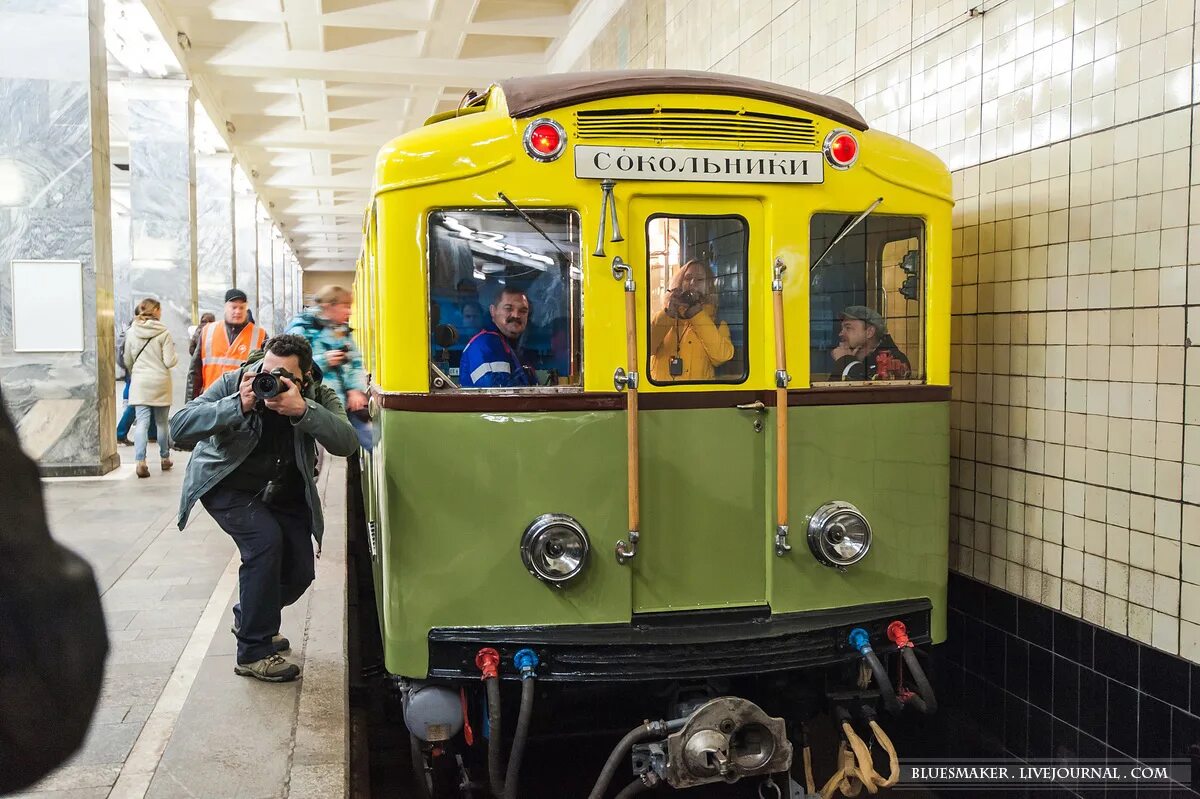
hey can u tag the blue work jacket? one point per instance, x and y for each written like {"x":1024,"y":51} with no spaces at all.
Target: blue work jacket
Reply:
{"x":489,"y":361}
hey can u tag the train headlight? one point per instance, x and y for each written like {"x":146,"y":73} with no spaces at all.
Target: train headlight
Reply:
{"x":555,"y":548}
{"x":838,"y":534}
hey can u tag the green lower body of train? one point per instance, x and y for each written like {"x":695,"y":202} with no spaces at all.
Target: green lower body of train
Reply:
{"x":449,"y":495}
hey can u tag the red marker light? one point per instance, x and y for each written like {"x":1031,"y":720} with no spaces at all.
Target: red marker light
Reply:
{"x":841,"y":149}
{"x":545,"y":139}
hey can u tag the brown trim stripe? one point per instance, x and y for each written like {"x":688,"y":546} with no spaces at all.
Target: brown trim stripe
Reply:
{"x":471,"y":402}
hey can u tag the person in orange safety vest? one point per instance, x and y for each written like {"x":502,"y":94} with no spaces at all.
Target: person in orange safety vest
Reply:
{"x":224,"y":347}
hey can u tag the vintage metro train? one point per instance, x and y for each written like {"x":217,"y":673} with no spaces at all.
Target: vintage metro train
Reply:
{"x":660,"y":386}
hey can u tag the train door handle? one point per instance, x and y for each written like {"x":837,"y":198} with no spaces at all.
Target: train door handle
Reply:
{"x":757,"y":407}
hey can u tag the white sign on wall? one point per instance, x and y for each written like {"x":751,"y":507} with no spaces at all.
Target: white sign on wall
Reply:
{"x":47,"y":306}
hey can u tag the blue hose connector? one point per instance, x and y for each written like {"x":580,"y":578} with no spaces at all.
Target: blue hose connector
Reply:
{"x":526,"y":660}
{"x":860,"y":639}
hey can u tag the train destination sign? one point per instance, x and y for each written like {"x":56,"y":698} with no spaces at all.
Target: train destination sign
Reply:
{"x":721,"y":166}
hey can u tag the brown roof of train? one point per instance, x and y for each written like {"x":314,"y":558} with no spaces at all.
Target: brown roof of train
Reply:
{"x":539,"y":93}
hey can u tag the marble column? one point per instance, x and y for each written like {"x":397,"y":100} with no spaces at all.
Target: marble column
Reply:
{"x":162,"y":193}
{"x":55,"y":206}
{"x":298,"y":282}
{"x":279,"y":250}
{"x":215,"y":230}
{"x":264,"y":308}
{"x":245,"y":243}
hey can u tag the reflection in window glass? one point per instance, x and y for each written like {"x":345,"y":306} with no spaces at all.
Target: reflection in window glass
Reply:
{"x":504,"y":298}
{"x":697,"y":299}
{"x":866,"y":299}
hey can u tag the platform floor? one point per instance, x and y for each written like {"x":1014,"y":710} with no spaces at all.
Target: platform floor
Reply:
{"x":173,"y":719}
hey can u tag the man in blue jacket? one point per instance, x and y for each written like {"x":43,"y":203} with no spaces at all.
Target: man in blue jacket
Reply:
{"x":493,"y":358}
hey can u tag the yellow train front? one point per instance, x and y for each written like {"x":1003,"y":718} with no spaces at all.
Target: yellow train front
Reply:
{"x":660,"y":367}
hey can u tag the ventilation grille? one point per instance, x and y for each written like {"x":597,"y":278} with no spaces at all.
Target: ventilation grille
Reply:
{"x":694,"y":124}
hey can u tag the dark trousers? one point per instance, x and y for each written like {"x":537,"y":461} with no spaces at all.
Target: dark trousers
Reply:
{"x":277,"y":562}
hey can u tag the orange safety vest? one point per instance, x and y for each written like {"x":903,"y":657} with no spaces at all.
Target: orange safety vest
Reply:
{"x":218,"y":355}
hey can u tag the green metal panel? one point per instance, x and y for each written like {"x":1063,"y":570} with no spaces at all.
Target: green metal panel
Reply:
{"x":893,"y":462}
{"x":703,"y":510}
{"x":459,"y":489}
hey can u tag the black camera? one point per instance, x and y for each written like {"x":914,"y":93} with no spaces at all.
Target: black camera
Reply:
{"x":268,"y":384}
{"x":688,"y":298}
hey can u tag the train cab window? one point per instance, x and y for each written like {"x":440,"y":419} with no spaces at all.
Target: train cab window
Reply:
{"x":867,"y":299}
{"x":504,"y":293}
{"x":697,"y":296}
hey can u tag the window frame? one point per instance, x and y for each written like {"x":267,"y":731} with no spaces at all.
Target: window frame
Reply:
{"x":745,"y":300}
{"x":922,"y":244}
{"x":455,"y":388}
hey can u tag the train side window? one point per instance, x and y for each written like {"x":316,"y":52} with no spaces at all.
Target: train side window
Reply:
{"x":867,"y":308}
{"x":697,"y":299}
{"x":504,"y":298}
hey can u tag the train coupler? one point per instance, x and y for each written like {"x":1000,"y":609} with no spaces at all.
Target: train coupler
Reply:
{"x":726,"y":739}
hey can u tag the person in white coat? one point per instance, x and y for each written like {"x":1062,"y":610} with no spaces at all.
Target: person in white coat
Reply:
{"x":149,"y":357}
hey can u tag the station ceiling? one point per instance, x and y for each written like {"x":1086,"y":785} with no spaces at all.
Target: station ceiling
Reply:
{"x":308,"y":90}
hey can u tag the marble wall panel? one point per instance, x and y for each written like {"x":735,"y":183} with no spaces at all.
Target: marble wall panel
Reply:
{"x":162,"y":192}
{"x":215,"y":231}
{"x":246,"y":245}
{"x":264,"y":311}
{"x":53,"y":174}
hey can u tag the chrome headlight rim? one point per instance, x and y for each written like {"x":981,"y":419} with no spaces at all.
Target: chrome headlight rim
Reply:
{"x":818,"y":528}
{"x":530,"y":541}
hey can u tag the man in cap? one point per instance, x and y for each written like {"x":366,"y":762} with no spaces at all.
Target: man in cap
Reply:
{"x":224,"y":347}
{"x":865,"y":350}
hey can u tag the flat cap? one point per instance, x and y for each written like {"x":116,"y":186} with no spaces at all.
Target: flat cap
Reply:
{"x":235,"y":294}
{"x":864,"y":314}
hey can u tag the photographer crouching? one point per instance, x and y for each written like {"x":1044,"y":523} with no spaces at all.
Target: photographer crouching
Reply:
{"x":255,"y":432}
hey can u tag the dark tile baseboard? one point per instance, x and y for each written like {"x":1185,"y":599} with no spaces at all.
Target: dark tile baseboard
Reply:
{"x":1017,"y":679}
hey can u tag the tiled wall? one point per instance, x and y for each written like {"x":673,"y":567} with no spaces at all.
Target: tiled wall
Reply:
{"x":1069,"y":127}
{"x":1045,"y":685}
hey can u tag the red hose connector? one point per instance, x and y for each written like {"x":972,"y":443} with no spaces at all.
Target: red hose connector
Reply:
{"x":897,"y":633}
{"x":488,"y":661}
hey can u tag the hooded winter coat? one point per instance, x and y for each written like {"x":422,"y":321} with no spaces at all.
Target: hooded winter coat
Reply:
{"x":149,"y":358}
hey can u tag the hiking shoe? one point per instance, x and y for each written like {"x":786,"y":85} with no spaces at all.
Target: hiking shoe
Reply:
{"x":142,"y":469}
{"x":166,"y":464}
{"x":272,"y":668}
{"x":281,"y":644}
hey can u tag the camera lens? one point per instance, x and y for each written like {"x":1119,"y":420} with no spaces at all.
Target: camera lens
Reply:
{"x":266,"y":385}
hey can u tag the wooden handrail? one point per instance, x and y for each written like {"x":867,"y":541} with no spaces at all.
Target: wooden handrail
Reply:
{"x":627,"y":550}
{"x":782,"y":378}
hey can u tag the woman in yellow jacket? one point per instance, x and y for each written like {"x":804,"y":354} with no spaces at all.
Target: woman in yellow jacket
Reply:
{"x":686,"y":341}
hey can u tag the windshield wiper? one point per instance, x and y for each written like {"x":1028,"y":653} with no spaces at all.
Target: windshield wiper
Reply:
{"x":534,"y":225}
{"x":846,"y":228}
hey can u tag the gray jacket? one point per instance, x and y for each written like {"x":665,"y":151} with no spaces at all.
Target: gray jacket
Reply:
{"x":223,"y":437}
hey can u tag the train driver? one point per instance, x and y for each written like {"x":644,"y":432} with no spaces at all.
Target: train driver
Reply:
{"x":494,"y":358}
{"x":865,"y":349}
{"x":686,"y":341}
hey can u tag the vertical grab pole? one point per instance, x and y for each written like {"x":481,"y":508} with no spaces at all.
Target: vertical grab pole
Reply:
{"x":627,"y":550}
{"x":782,"y":378}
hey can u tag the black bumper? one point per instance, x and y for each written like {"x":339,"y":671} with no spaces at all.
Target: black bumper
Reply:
{"x":679,"y":645}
